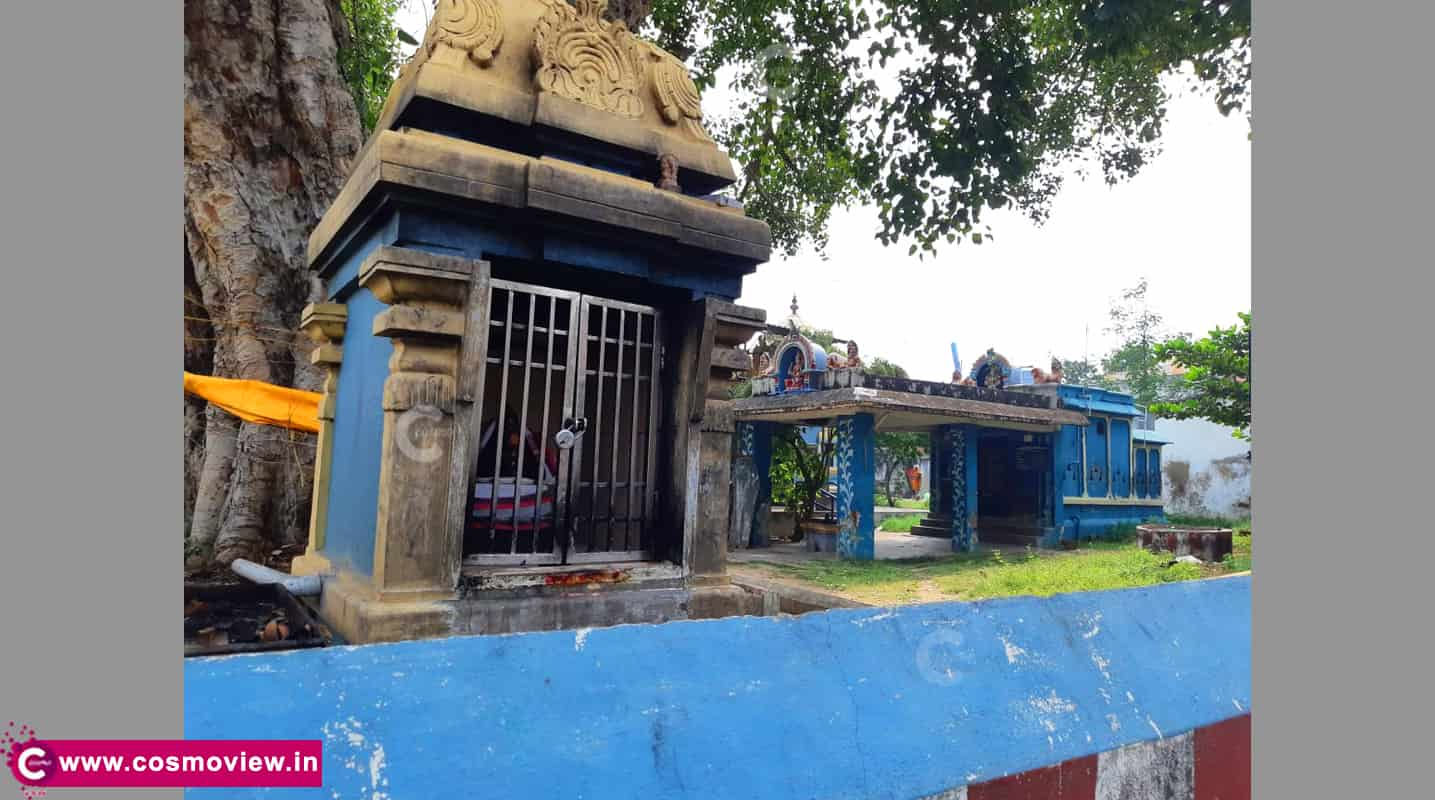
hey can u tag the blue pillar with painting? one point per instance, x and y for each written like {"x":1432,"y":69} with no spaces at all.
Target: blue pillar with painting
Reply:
{"x":960,"y":460}
{"x":856,"y":483}
{"x":755,"y":442}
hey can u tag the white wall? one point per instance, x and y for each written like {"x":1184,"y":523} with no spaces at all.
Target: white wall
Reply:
{"x":1216,"y":478}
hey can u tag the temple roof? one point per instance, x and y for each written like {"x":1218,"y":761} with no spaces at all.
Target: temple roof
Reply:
{"x":896,"y":410}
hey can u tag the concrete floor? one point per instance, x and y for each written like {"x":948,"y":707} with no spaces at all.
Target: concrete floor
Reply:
{"x":890,"y":546}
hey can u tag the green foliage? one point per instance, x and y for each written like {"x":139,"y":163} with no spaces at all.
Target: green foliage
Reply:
{"x":1217,"y":384}
{"x":1139,"y":369}
{"x":881,"y":366}
{"x":369,"y":57}
{"x":1097,"y":565}
{"x":895,"y":451}
{"x":1239,"y":559}
{"x":903,"y":524}
{"x":798,"y":472}
{"x":1080,"y":373}
{"x":1240,"y":526}
{"x":936,"y":111}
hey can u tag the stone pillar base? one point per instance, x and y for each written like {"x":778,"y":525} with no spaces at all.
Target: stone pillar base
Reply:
{"x":311,"y":564}
{"x":360,"y":617}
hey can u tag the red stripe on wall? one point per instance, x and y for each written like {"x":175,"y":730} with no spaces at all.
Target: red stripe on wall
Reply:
{"x":1069,"y":780}
{"x":1223,"y":760}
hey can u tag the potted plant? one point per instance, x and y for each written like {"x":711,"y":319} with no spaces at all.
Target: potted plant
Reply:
{"x":799,"y":477}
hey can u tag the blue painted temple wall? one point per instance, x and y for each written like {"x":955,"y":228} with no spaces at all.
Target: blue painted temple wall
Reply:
{"x":358,"y":416}
{"x":358,"y":438}
{"x":1104,"y":479}
{"x":481,"y":236}
{"x":358,"y":424}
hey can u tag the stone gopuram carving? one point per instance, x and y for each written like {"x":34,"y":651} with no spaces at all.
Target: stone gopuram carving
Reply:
{"x":673,"y":88}
{"x":668,"y":173}
{"x":563,"y":66}
{"x":583,"y":57}
{"x":472,"y":25}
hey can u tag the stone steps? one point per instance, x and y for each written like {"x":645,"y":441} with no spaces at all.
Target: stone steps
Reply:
{"x":1008,"y":536}
{"x":940,"y":527}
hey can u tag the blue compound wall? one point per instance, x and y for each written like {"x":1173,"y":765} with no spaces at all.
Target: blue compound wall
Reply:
{"x":871,"y":703}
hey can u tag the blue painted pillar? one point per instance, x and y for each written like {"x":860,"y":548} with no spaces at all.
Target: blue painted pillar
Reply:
{"x":755,"y":441}
{"x":937,"y":499}
{"x":856,"y":481}
{"x":961,"y":461}
{"x":759,"y":449}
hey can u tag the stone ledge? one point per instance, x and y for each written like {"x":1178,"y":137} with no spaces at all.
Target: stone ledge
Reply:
{"x":456,"y":168}
{"x":915,"y":409}
{"x":324,"y":322}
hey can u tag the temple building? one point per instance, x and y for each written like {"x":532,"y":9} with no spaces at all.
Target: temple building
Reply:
{"x":1037,"y":463}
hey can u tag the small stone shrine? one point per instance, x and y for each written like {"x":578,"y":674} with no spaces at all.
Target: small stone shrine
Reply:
{"x":529,"y":337}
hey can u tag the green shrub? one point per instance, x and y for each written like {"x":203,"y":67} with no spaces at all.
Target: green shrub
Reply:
{"x":902,"y":524}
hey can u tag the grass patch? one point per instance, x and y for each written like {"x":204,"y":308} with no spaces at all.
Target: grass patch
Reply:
{"x":1240,"y":558}
{"x":1240,"y":526}
{"x":909,"y":502}
{"x":1096,"y":565}
{"x":902,"y":524}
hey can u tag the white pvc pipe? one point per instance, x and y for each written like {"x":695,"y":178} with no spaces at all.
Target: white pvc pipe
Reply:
{"x":298,"y":585}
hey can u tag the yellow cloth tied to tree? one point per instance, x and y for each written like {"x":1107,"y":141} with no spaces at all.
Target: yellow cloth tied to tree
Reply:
{"x":257,"y":401}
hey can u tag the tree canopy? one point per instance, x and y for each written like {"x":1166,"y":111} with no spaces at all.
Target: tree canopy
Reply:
{"x":1217,"y":384}
{"x":369,"y":53}
{"x":936,"y":111}
{"x":933,"y":111}
{"x":1134,"y":366}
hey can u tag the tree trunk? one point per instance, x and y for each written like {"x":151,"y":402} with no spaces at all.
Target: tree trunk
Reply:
{"x":630,"y":12}
{"x":270,"y":132}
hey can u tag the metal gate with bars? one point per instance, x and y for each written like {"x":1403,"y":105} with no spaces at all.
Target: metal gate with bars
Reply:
{"x":568,"y":425}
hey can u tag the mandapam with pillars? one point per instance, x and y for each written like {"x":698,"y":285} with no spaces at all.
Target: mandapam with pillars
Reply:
{"x":1036,"y":462}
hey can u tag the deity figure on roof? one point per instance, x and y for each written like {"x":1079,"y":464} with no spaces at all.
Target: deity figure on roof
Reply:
{"x":854,"y":359}
{"x":794,"y":374}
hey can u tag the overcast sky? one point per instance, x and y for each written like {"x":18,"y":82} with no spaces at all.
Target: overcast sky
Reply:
{"x":1184,"y":223}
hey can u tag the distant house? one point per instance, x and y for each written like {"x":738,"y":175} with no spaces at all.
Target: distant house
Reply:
{"x":1207,"y":468}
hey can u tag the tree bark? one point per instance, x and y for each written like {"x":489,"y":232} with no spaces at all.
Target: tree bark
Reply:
{"x":270,"y":132}
{"x":630,"y":12}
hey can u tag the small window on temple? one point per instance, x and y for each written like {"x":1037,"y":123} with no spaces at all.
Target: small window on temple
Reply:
{"x":1101,"y":427}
